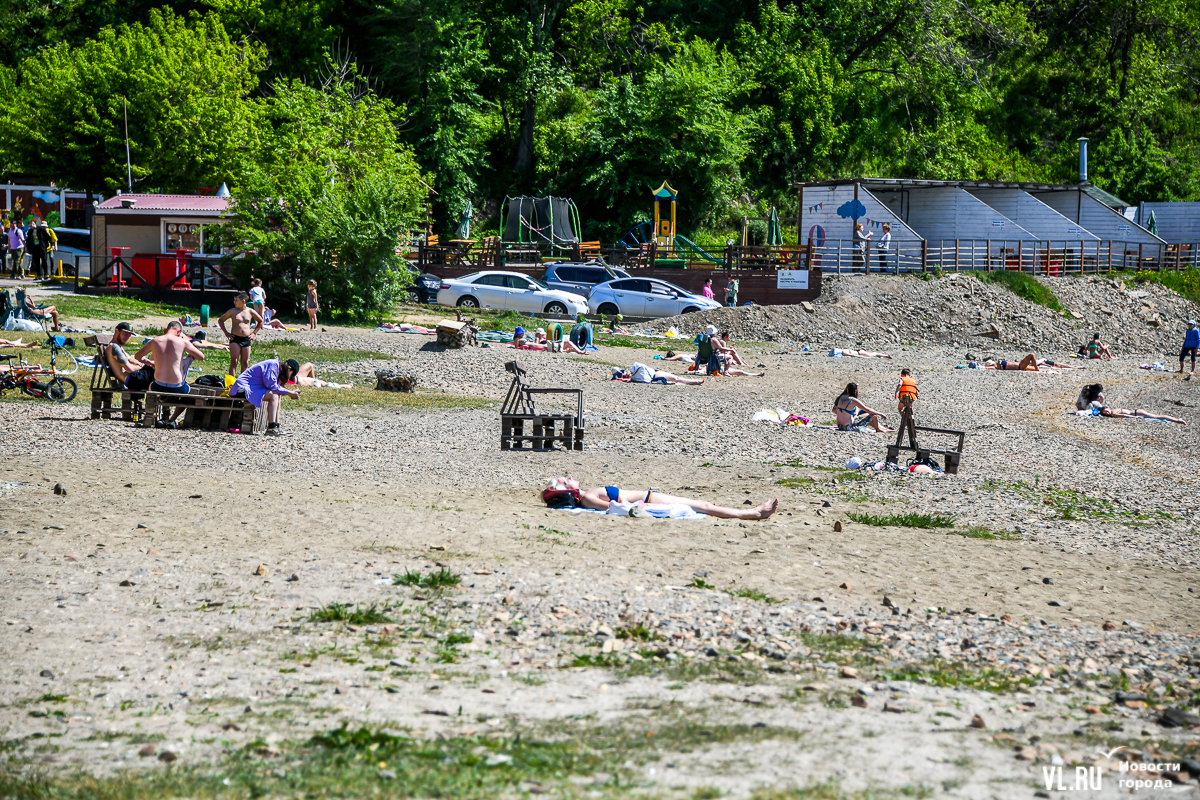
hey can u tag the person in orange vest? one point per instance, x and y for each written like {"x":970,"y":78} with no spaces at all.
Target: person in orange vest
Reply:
{"x":906,"y":390}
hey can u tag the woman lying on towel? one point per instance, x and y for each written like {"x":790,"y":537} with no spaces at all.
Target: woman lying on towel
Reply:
{"x":17,"y":343}
{"x":566,"y":492}
{"x":1027,"y":364}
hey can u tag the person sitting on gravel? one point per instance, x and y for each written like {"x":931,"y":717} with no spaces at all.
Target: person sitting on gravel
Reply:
{"x":681,"y":357}
{"x":852,"y":415}
{"x":618,"y":324}
{"x":306,"y":376}
{"x":1090,"y":396}
{"x":520,"y":343}
{"x":539,"y":338}
{"x":1098,"y":349}
{"x":725,"y":350}
{"x":838,"y":352}
{"x":266,"y":382}
{"x":640,"y":373}
{"x":565,"y":492}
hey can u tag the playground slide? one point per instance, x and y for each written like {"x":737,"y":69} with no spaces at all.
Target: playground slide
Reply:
{"x":687,"y":246}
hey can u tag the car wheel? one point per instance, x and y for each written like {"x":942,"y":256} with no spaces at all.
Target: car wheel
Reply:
{"x":556,"y":308}
{"x":608,"y":310}
{"x":468,"y":301}
{"x":690,"y":310}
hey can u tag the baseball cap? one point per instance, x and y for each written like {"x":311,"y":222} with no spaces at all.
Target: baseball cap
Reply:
{"x":124,"y":326}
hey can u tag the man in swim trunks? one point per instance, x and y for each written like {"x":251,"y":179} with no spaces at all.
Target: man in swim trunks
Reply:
{"x":170,"y":350}
{"x":640,"y":373}
{"x":244,"y":325}
{"x":602,"y":496}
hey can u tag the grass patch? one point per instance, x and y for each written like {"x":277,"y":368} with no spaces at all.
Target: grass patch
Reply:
{"x":723,"y":669}
{"x":108,"y":307}
{"x":924,"y":521}
{"x":600,"y":660}
{"x":442,"y":579}
{"x":984,"y":532}
{"x":1022,"y":285}
{"x":949,"y":674}
{"x":364,"y":395}
{"x":850,"y":475}
{"x":284,"y":349}
{"x":351,"y":614}
{"x":795,"y":483}
{"x":700,"y":583}
{"x":1070,"y":504}
{"x":753,"y":594}
{"x":1184,"y":282}
{"x":639,"y":632}
{"x":617,"y":340}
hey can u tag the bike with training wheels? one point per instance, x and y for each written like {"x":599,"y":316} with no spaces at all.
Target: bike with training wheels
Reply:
{"x":47,"y":383}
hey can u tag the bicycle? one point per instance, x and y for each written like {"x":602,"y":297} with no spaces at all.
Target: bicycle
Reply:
{"x":57,"y":388}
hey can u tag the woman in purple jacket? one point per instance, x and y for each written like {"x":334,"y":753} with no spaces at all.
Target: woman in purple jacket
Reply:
{"x":267,"y":381}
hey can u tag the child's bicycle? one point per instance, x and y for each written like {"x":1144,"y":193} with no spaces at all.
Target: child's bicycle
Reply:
{"x":49,"y":383}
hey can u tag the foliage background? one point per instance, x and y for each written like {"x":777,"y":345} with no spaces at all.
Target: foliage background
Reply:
{"x":602,"y":100}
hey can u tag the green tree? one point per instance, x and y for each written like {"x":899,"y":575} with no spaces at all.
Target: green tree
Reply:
{"x":329,"y":195}
{"x":187,"y":88}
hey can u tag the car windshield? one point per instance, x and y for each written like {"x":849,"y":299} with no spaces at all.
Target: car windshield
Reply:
{"x":671,"y":286}
{"x":538,"y":281}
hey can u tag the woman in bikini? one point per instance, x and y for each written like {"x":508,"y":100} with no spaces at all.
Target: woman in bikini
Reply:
{"x":1125,"y":413}
{"x":848,"y":407}
{"x":566,"y":491}
{"x":1028,"y":364}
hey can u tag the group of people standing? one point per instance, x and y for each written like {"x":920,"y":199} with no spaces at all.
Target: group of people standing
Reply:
{"x":33,"y":237}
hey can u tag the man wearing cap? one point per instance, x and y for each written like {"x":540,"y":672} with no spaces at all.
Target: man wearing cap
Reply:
{"x":1191,"y":345}
{"x":137,"y":375}
{"x":266,"y":382}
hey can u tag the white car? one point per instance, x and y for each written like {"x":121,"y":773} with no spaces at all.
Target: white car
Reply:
{"x":645,"y":297}
{"x":509,"y":290}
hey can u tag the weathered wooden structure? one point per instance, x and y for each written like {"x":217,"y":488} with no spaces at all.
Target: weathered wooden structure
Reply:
{"x":545,"y":428}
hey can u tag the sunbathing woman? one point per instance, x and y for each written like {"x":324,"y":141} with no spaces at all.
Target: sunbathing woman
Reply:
{"x":17,"y":343}
{"x":857,"y":353}
{"x":640,"y":373}
{"x":539,"y":338}
{"x":1028,"y":364}
{"x":307,"y":376}
{"x":682,"y":357}
{"x":848,"y":407}
{"x":565,"y":491}
{"x":1123,"y":413}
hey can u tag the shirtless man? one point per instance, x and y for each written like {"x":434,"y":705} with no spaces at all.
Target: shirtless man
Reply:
{"x":135,"y":373}
{"x":244,"y":325}
{"x":600,"y":498}
{"x":169,"y":350}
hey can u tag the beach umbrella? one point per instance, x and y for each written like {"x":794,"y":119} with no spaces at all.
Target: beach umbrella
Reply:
{"x":1152,"y":224}
{"x":464,"y":227}
{"x":774,"y":233}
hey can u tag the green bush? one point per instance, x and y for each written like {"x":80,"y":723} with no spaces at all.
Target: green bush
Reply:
{"x":1022,"y":285}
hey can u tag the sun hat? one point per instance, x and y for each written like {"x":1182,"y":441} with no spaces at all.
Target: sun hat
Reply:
{"x":711,"y":330}
{"x":519,"y":331}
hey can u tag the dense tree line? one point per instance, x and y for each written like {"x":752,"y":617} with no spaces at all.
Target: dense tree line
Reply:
{"x":601,"y":100}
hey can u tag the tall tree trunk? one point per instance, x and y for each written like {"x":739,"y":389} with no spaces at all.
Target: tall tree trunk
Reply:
{"x":524,"y":163}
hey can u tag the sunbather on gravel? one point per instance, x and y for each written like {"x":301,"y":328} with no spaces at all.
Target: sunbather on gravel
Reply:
{"x":1027,"y":364}
{"x":1124,"y":413}
{"x":17,"y":343}
{"x":852,"y":415}
{"x":539,"y":338}
{"x":307,"y":376}
{"x":566,"y":491}
{"x":837,"y":351}
{"x":640,"y":373}
{"x":1090,"y":396}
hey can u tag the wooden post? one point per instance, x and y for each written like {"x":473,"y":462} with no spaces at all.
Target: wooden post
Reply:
{"x":924,"y":256}
{"x":1021,"y":255}
{"x":1139,"y":261}
{"x":839,"y":272}
{"x":956,"y":249}
{"x":809,"y":253}
{"x":989,"y":255}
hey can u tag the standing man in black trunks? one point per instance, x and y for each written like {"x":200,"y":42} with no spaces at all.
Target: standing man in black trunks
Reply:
{"x":244,"y":325}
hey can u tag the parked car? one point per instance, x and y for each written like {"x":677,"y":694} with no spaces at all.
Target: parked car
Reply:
{"x":645,"y":297}
{"x":509,"y":290}
{"x":581,"y":277}
{"x":72,"y":242}
{"x":424,"y":288}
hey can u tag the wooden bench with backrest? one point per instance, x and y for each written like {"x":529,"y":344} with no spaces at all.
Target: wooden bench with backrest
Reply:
{"x":953,"y":457}
{"x":106,"y":387}
{"x":545,"y":428}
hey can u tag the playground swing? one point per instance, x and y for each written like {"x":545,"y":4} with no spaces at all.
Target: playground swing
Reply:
{"x":541,"y":222}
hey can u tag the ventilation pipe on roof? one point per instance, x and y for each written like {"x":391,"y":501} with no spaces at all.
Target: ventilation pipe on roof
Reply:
{"x":1082,"y":159}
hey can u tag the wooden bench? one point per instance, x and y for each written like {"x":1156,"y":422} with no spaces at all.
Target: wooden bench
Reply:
{"x":545,"y":428}
{"x":953,"y":457}
{"x":107,"y":388}
{"x":205,"y":409}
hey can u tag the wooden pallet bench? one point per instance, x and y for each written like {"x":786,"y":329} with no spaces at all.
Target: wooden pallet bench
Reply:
{"x":205,"y":410}
{"x":545,"y":429}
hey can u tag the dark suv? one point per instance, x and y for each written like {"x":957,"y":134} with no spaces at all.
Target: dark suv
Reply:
{"x":579,"y":277}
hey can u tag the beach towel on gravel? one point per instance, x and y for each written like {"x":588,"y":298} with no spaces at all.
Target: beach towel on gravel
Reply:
{"x":654,"y":510}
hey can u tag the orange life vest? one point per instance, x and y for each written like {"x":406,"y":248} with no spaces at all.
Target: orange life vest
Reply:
{"x":908,"y":388}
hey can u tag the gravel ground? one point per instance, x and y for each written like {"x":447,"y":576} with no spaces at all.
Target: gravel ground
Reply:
{"x":1090,"y":590}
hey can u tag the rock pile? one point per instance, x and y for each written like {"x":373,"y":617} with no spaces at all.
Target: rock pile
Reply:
{"x":395,"y":381}
{"x":958,"y":310}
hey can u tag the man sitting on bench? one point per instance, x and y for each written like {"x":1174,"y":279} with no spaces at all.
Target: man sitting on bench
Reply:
{"x":169,"y":377}
{"x":136,"y":375}
{"x":267,"y":381}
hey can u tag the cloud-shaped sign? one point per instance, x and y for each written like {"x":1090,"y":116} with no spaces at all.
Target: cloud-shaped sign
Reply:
{"x":852,"y":209}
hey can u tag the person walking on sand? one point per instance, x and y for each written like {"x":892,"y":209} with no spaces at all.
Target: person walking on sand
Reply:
{"x":244,"y":325}
{"x":1191,"y":345}
{"x":313,"y":306}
